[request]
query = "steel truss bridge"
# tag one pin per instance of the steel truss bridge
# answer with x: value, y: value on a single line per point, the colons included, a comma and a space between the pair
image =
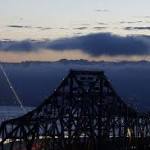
x: 83, y: 113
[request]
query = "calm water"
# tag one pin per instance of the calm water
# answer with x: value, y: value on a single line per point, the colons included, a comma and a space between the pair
x: 9, y: 112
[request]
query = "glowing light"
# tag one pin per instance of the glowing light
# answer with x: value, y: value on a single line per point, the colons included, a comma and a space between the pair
x: 129, y: 133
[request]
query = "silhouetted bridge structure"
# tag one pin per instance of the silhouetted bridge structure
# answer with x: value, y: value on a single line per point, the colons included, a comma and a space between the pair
x: 83, y: 113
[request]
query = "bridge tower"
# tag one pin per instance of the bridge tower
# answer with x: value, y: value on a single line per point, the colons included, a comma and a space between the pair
x: 84, y: 112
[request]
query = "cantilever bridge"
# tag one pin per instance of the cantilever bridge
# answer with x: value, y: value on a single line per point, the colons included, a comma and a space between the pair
x: 83, y: 113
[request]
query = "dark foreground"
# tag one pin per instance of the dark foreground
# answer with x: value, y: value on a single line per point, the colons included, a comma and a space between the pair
x: 112, y: 144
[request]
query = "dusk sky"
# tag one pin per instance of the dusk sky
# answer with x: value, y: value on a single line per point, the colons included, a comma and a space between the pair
x: 49, y: 30
x: 75, y: 60
x: 93, y: 30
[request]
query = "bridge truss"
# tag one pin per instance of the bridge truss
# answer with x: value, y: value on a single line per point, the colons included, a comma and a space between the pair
x: 84, y: 112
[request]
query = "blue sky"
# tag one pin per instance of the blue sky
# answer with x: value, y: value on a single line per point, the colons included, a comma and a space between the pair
x: 54, y: 19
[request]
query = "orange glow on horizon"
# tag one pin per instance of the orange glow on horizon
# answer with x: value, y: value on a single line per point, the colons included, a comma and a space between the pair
x: 49, y: 55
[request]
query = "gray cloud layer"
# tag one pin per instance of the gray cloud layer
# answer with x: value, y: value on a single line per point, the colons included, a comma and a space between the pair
x: 130, y: 22
x: 137, y: 28
x: 19, y: 26
x: 99, y: 28
x: 102, y: 10
x: 29, y: 27
x: 81, y: 28
x: 92, y: 44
